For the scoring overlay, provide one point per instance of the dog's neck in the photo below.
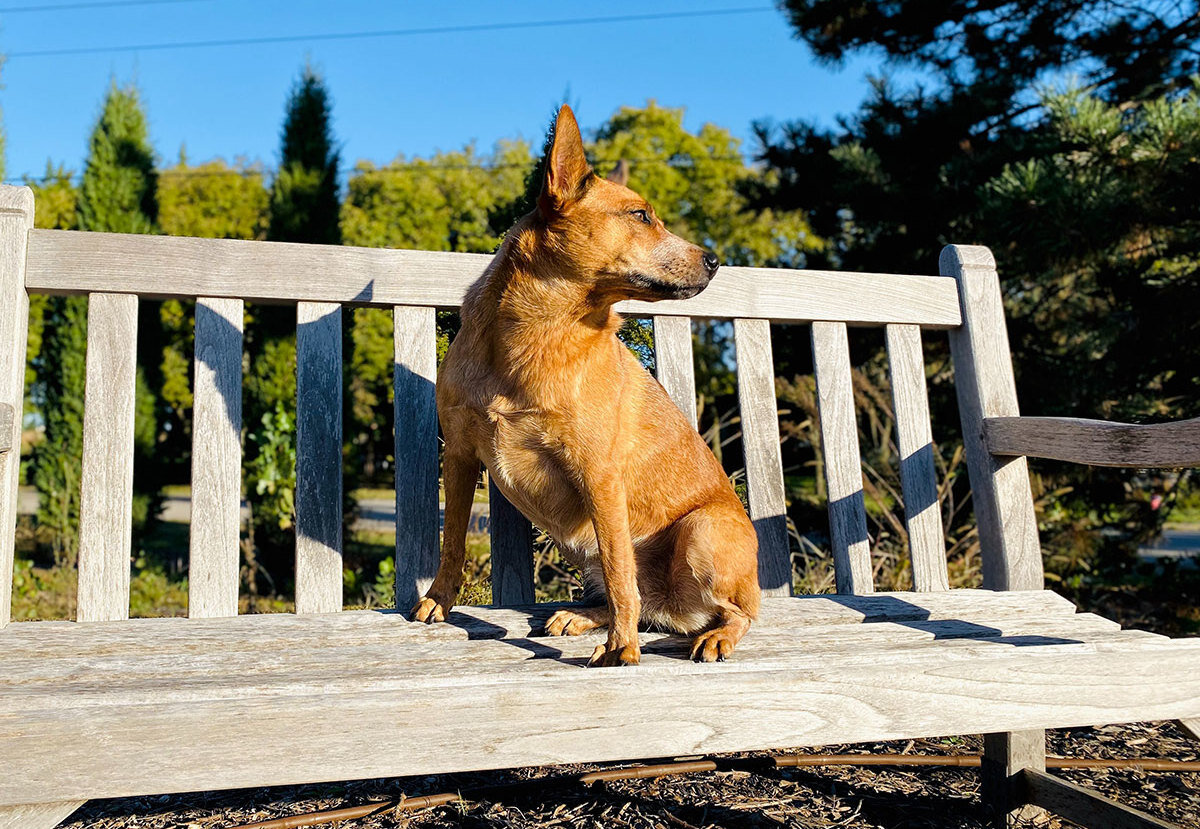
(533, 315)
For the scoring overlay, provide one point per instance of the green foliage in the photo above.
(271, 481)
(304, 195)
(119, 181)
(56, 461)
(212, 200)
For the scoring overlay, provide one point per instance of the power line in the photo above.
(430, 30)
(106, 4)
(406, 167)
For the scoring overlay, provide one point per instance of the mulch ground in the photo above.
(847, 796)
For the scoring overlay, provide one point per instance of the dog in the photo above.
(576, 433)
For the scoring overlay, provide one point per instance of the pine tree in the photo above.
(117, 195)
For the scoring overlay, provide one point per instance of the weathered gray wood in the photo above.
(1096, 442)
(37, 815)
(417, 527)
(275, 630)
(918, 477)
(214, 557)
(460, 718)
(1083, 806)
(66, 262)
(106, 494)
(16, 217)
(841, 459)
(347, 664)
(673, 362)
(1008, 537)
(512, 550)
(8, 430)
(764, 463)
(318, 457)
(1006, 756)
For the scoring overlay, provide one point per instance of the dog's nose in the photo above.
(711, 263)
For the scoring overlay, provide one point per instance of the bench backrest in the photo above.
(116, 270)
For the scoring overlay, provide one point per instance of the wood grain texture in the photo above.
(274, 630)
(466, 715)
(511, 536)
(417, 517)
(37, 815)
(1008, 535)
(764, 463)
(673, 362)
(318, 457)
(1084, 806)
(16, 217)
(1096, 442)
(214, 559)
(918, 476)
(66, 262)
(841, 458)
(8, 429)
(106, 489)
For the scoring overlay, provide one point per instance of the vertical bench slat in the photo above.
(764, 463)
(216, 460)
(512, 550)
(106, 497)
(417, 526)
(918, 477)
(318, 457)
(843, 463)
(16, 218)
(673, 362)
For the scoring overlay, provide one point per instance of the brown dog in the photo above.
(578, 435)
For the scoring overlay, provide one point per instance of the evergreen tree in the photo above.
(117, 195)
(304, 197)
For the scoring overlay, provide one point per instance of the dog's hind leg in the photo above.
(460, 473)
(717, 643)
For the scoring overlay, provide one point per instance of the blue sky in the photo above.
(412, 94)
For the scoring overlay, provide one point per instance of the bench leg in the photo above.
(1005, 756)
(37, 815)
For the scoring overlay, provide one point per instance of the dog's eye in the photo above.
(642, 216)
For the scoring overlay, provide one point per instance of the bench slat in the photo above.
(16, 217)
(594, 716)
(67, 262)
(841, 458)
(106, 500)
(673, 362)
(274, 630)
(318, 457)
(1096, 442)
(216, 460)
(417, 527)
(764, 462)
(511, 536)
(918, 477)
(9, 434)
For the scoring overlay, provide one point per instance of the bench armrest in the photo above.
(6, 427)
(1095, 442)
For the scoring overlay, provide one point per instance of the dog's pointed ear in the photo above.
(620, 173)
(567, 169)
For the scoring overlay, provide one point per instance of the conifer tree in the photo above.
(304, 198)
(117, 195)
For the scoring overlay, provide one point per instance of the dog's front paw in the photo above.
(573, 623)
(713, 646)
(613, 654)
(430, 610)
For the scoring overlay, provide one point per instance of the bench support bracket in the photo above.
(1083, 806)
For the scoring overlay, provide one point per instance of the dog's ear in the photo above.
(620, 173)
(567, 169)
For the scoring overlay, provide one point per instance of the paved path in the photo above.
(374, 514)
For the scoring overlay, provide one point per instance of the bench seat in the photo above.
(145, 706)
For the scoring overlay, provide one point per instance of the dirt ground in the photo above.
(852, 797)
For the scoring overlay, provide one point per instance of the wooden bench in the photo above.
(108, 706)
